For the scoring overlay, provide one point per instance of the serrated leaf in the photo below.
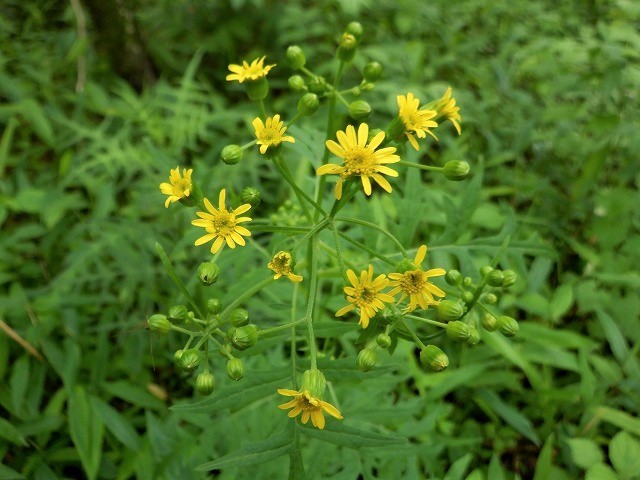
(338, 433)
(584, 452)
(624, 452)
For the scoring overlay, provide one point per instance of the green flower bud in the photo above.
(388, 316)
(177, 355)
(308, 104)
(433, 358)
(245, 337)
(458, 331)
(189, 360)
(508, 326)
(231, 154)
(366, 359)
(296, 83)
(456, 170)
(295, 57)
(159, 323)
(449, 310)
(474, 337)
(486, 270)
(251, 195)
(314, 382)
(239, 317)
(235, 369)
(355, 29)
(372, 72)
(214, 305)
(347, 47)
(230, 333)
(467, 282)
(404, 265)
(318, 85)
(383, 340)
(396, 130)
(509, 279)
(224, 350)
(208, 273)
(178, 313)
(359, 110)
(364, 87)
(489, 322)
(491, 299)
(453, 277)
(205, 383)
(257, 89)
(495, 278)
(467, 297)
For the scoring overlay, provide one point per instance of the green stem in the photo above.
(317, 228)
(284, 170)
(294, 119)
(188, 332)
(263, 112)
(336, 240)
(246, 294)
(429, 168)
(370, 251)
(426, 320)
(375, 227)
(279, 229)
(281, 327)
(413, 334)
(313, 285)
(294, 309)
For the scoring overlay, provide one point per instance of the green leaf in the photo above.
(510, 415)
(544, 467)
(509, 351)
(584, 452)
(618, 344)
(7, 473)
(495, 469)
(459, 467)
(296, 465)
(11, 433)
(561, 301)
(253, 453)
(134, 395)
(86, 429)
(338, 433)
(601, 471)
(624, 452)
(619, 418)
(117, 424)
(174, 277)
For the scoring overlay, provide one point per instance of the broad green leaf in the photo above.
(618, 344)
(509, 414)
(117, 424)
(296, 465)
(619, 418)
(338, 433)
(449, 380)
(19, 383)
(133, 394)
(539, 333)
(86, 429)
(544, 467)
(7, 473)
(509, 351)
(601, 471)
(624, 452)
(11, 433)
(561, 301)
(459, 467)
(584, 452)
(253, 453)
(495, 471)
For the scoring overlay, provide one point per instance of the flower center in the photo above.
(359, 161)
(365, 295)
(307, 402)
(281, 264)
(224, 223)
(413, 281)
(181, 188)
(270, 136)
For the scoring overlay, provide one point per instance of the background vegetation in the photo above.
(549, 97)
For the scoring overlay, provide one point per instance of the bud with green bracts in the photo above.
(404, 266)
(295, 57)
(245, 337)
(453, 277)
(486, 270)
(433, 358)
(313, 381)
(495, 278)
(347, 48)
(208, 273)
(489, 322)
(474, 337)
(467, 282)
(239, 317)
(359, 110)
(205, 383)
(491, 298)
(366, 359)
(467, 297)
(509, 279)
(355, 29)
(318, 85)
(456, 170)
(458, 331)
(449, 310)
(159, 323)
(224, 350)
(214, 305)
(231, 154)
(251, 195)
(308, 104)
(257, 89)
(383, 340)
(189, 360)
(372, 72)
(235, 369)
(296, 83)
(178, 313)
(508, 326)
(177, 355)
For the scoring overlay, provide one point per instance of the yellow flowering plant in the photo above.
(321, 246)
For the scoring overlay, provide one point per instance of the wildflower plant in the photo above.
(393, 293)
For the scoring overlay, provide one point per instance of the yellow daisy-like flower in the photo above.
(309, 405)
(180, 186)
(360, 159)
(222, 224)
(271, 133)
(365, 293)
(415, 283)
(281, 266)
(446, 107)
(415, 121)
(243, 72)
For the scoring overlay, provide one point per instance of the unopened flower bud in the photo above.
(347, 47)
(388, 316)
(509, 279)
(245, 337)
(159, 323)
(230, 333)
(449, 310)
(467, 282)
(224, 350)
(453, 277)
(178, 313)
(456, 170)
(314, 382)
(372, 72)
(296, 83)
(355, 29)
(308, 104)
(295, 57)
(366, 359)
(208, 273)
(458, 331)
(364, 87)
(485, 270)
(467, 297)
(383, 340)
(489, 322)
(318, 85)
(214, 305)
(495, 278)
(205, 383)
(235, 369)
(251, 195)
(231, 154)
(257, 89)
(491, 299)
(404, 266)
(189, 360)
(177, 355)
(474, 337)
(508, 326)
(359, 110)
(433, 358)
(239, 317)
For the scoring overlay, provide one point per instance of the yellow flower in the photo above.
(415, 283)
(360, 159)
(281, 265)
(415, 121)
(243, 72)
(366, 295)
(270, 133)
(222, 225)
(446, 107)
(310, 406)
(180, 186)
